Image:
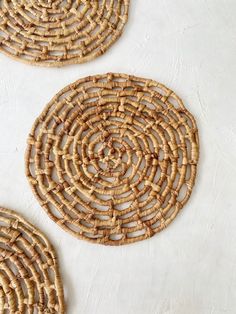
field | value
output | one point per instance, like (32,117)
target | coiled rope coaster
(29,275)
(113,158)
(56,33)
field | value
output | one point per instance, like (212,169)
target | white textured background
(190,268)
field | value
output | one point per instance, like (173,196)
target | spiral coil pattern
(29,276)
(113,158)
(55,33)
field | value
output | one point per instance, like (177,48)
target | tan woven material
(56,33)
(29,276)
(113,158)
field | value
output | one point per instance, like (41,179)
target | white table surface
(190,268)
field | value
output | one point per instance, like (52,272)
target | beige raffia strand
(56,33)
(113,158)
(29,277)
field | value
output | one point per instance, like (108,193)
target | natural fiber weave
(55,33)
(113,158)
(29,276)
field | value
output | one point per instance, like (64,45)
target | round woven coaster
(113,158)
(55,33)
(29,276)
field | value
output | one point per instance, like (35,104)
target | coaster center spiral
(110,156)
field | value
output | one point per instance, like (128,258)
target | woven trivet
(113,158)
(56,33)
(29,275)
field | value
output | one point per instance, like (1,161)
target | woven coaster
(29,275)
(113,158)
(56,33)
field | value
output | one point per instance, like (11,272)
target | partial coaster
(113,158)
(29,275)
(55,33)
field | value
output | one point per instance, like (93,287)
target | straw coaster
(56,33)
(113,158)
(29,276)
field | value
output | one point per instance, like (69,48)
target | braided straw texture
(113,158)
(29,276)
(56,33)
